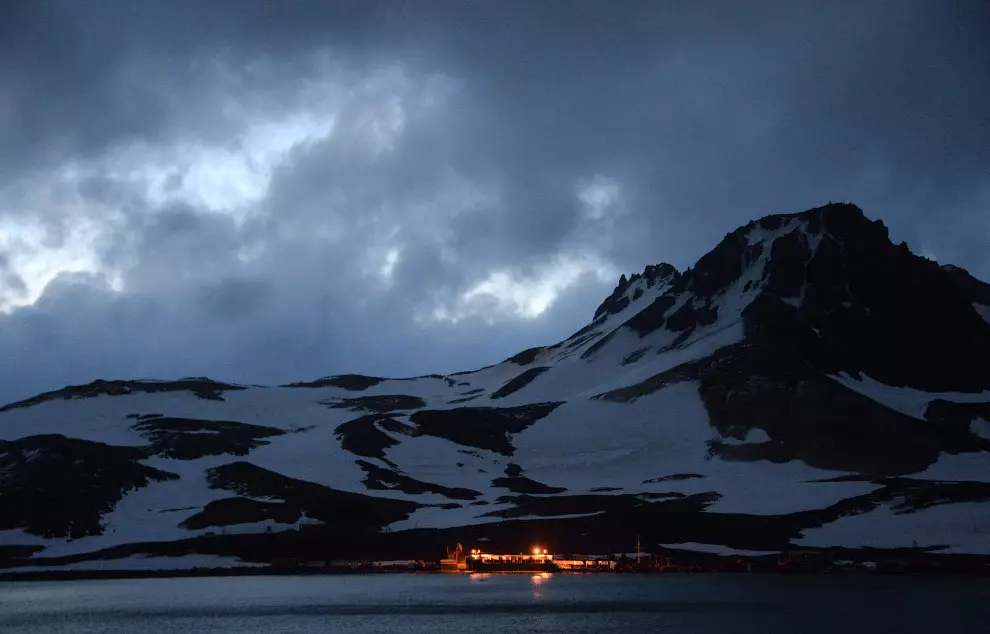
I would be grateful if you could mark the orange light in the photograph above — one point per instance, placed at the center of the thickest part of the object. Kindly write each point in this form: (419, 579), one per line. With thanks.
(536, 551)
(544, 551)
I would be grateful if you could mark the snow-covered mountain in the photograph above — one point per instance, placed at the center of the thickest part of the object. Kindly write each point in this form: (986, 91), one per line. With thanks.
(806, 384)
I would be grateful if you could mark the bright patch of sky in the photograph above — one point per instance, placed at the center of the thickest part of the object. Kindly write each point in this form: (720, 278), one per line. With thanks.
(37, 257)
(509, 292)
(599, 196)
(231, 177)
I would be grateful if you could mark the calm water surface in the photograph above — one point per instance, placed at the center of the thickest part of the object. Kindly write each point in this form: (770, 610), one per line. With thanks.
(501, 603)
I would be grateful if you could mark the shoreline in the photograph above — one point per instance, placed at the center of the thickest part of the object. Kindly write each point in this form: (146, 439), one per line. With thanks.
(96, 575)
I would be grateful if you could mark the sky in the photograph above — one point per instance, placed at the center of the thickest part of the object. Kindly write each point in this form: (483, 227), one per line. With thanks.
(263, 192)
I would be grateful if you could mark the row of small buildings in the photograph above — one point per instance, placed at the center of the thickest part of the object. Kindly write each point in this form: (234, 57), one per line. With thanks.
(538, 560)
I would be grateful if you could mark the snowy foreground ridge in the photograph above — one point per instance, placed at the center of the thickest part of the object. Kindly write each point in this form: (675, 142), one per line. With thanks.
(806, 384)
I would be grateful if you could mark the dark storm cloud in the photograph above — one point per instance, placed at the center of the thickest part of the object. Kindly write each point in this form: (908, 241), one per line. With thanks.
(462, 135)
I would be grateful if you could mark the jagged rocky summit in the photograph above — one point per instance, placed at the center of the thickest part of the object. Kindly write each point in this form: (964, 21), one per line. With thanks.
(807, 384)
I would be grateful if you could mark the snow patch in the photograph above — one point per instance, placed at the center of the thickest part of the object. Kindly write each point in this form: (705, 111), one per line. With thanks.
(963, 528)
(905, 400)
(981, 427)
(153, 512)
(754, 435)
(140, 562)
(974, 467)
(719, 549)
(589, 444)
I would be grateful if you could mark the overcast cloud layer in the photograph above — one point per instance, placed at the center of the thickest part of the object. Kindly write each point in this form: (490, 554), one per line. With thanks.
(264, 192)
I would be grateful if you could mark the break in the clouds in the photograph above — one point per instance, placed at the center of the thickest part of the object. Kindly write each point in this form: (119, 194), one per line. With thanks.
(265, 191)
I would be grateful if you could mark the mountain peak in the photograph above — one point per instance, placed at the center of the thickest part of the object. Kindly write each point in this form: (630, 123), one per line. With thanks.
(827, 282)
(632, 288)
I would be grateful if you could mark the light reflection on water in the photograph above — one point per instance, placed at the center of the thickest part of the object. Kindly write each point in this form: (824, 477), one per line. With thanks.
(483, 602)
(540, 578)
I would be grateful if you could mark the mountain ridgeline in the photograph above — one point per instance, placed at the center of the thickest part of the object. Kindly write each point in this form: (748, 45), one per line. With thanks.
(807, 383)
(836, 288)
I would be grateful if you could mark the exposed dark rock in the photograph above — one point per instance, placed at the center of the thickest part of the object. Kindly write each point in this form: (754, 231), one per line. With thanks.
(673, 478)
(488, 428)
(466, 399)
(378, 478)
(753, 253)
(586, 329)
(635, 356)
(687, 317)
(466, 372)
(11, 553)
(580, 341)
(960, 414)
(908, 495)
(669, 495)
(905, 495)
(972, 289)
(812, 418)
(605, 489)
(771, 223)
(512, 470)
(380, 404)
(619, 526)
(809, 416)
(55, 486)
(898, 317)
(526, 356)
(193, 438)
(395, 426)
(786, 268)
(615, 302)
(362, 437)
(652, 317)
(352, 382)
(518, 383)
(618, 301)
(598, 345)
(345, 510)
(953, 421)
(522, 484)
(526, 505)
(230, 511)
(202, 388)
(722, 266)
(618, 305)
(655, 383)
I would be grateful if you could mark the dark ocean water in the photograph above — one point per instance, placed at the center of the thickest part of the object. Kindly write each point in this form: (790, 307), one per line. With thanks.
(502, 603)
